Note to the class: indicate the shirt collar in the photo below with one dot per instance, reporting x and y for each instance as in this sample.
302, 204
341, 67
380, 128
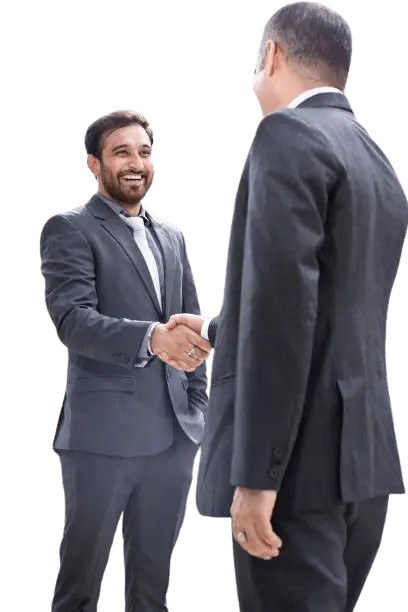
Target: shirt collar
119, 210
312, 92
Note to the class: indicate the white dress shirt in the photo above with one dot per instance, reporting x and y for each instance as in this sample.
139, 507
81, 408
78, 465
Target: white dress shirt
309, 93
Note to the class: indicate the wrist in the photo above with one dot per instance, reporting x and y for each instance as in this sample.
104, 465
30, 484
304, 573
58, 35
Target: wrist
149, 339
156, 335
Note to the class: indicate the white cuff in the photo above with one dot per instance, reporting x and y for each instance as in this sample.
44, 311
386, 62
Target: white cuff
204, 328
149, 337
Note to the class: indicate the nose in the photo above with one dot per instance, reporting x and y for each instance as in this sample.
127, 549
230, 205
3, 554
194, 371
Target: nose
136, 163
137, 166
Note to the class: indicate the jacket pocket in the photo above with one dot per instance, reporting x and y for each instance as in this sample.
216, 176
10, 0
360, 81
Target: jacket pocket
109, 383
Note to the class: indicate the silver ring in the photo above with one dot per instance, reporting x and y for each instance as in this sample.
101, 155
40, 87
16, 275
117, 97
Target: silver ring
191, 352
241, 537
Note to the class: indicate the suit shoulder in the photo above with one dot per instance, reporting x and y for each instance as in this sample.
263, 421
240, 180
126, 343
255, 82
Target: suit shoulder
291, 134
72, 216
289, 121
63, 222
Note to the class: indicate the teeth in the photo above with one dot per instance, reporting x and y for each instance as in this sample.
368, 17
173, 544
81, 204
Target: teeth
133, 177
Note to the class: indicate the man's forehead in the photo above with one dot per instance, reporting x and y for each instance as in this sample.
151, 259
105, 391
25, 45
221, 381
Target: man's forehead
130, 135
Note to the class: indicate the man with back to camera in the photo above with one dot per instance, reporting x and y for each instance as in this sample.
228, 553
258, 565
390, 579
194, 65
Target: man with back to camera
299, 428
130, 425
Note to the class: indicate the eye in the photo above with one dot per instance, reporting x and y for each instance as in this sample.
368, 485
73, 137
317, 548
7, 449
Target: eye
145, 153
121, 153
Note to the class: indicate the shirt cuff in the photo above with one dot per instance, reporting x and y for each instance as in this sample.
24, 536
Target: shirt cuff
145, 351
204, 328
149, 337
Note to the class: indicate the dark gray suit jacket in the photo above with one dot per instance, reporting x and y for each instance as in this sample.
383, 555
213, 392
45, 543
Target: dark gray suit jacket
299, 399
101, 299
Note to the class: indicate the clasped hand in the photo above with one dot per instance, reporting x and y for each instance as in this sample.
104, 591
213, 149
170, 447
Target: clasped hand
179, 343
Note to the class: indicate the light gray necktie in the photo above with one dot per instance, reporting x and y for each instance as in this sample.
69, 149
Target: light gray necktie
139, 234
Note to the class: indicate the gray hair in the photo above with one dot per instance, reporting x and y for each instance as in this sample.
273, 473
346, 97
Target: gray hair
313, 37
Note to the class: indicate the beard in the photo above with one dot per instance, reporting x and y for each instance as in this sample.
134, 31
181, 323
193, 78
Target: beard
130, 193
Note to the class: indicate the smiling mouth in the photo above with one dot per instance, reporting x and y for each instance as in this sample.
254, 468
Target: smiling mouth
132, 178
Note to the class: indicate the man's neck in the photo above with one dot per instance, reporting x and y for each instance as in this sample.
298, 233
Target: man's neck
310, 93
300, 89
133, 210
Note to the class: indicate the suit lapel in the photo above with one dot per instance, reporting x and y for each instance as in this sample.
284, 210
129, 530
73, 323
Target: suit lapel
121, 233
169, 262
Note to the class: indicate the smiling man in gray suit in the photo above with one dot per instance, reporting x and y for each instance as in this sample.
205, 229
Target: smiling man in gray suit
130, 425
299, 445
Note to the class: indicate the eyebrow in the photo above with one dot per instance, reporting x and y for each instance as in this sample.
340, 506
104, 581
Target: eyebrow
126, 146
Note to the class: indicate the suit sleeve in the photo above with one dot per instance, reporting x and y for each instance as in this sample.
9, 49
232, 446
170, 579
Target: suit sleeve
289, 176
197, 380
68, 267
212, 331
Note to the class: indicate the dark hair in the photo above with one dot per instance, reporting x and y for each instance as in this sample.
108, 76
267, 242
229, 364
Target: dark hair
97, 132
314, 37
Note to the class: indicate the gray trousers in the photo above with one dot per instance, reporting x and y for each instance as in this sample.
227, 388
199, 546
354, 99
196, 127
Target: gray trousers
151, 493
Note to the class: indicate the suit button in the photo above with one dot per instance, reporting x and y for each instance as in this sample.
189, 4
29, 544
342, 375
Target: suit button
273, 473
277, 452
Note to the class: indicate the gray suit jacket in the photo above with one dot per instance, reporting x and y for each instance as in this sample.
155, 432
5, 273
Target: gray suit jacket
299, 398
101, 299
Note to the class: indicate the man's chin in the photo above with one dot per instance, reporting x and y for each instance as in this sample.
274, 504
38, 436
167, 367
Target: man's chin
134, 196
132, 201
129, 199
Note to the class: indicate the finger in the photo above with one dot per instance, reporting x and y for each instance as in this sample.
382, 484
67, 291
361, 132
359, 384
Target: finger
192, 363
272, 545
199, 356
193, 356
188, 339
199, 342
254, 545
185, 366
266, 533
270, 548
178, 365
172, 322
196, 356
174, 364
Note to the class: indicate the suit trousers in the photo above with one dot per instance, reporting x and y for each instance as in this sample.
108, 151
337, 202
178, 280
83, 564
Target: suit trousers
151, 493
324, 562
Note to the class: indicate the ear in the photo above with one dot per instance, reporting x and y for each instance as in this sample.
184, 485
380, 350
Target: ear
94, 165
271, 57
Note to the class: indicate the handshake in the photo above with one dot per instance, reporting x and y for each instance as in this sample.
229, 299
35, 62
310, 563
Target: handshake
179, 342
